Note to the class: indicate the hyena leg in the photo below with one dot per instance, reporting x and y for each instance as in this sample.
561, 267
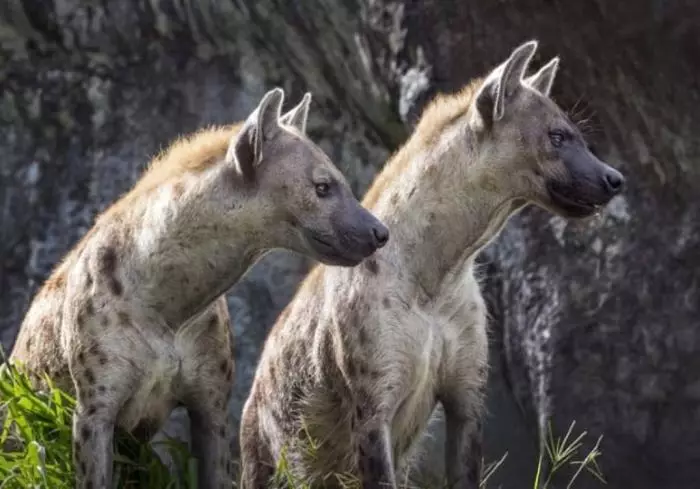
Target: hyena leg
463, 450
102, 383
209, 368
93, 432
256, 467
211, 445
375, 460
463, 453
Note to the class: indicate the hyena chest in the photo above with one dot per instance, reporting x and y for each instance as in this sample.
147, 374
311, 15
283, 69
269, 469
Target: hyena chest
420, 369
155, 390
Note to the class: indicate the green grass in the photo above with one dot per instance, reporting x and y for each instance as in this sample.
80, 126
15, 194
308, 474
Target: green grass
35, 439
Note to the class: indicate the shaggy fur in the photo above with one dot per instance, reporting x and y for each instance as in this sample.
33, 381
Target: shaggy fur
133, 320
356, 364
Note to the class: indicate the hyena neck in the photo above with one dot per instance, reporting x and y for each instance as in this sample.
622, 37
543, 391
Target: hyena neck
195, 240
448, 210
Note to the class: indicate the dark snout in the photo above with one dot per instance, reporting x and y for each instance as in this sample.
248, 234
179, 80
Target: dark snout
613, 180
362, 233
380, 235
589, 184
354, 235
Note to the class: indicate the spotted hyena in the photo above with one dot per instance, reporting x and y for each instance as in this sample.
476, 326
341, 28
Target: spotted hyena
133, 320
360, 358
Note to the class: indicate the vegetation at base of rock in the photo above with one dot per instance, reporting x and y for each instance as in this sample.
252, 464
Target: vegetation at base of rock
35, 437
36, 443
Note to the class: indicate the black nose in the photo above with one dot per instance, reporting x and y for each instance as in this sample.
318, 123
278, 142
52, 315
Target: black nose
381, 235
614, 181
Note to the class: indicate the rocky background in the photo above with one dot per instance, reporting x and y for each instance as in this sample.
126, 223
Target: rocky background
593, 322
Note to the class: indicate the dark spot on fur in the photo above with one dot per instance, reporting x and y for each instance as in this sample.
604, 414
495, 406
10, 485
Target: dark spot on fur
218, 404
91, 410
103, 359
413, 191
108, 260
89, 376
358, 413
83, 466
223, 366
116, 286
108, 266
386, 302
213, 322
104, 321
85, 432
124, 319
102, 389
372, 266
373, 436
29, 343
222, 431
81, 358
351, 367
394, 199
88, 307
361, 335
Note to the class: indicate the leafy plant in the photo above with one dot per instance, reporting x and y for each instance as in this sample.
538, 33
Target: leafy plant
36, 442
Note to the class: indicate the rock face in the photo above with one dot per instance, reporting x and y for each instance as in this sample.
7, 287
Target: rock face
594, 322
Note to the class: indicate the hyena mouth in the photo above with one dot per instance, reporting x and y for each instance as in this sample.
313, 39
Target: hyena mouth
574, 206
322, 243
330, 254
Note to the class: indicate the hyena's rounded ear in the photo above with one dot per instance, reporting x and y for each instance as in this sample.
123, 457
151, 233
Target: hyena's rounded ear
543, 80
246, 148
297, 116
502, 83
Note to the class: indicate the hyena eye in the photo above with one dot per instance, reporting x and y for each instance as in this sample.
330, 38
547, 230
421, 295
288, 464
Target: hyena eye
322, 189
557, 137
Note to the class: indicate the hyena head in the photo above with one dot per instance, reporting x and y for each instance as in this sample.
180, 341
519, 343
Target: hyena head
535, 152
312, 202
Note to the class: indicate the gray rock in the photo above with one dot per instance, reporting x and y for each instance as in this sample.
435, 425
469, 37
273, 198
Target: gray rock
593, 322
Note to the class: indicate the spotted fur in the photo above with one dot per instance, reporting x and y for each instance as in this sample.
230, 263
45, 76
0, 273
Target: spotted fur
134, 321
355, 366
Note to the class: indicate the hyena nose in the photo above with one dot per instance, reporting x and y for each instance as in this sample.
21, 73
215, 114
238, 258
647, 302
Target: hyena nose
380, 233
614, 181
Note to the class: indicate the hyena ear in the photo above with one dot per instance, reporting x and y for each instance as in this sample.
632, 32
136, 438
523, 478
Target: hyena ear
246, 148
502, 83
297, 116
543, 80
